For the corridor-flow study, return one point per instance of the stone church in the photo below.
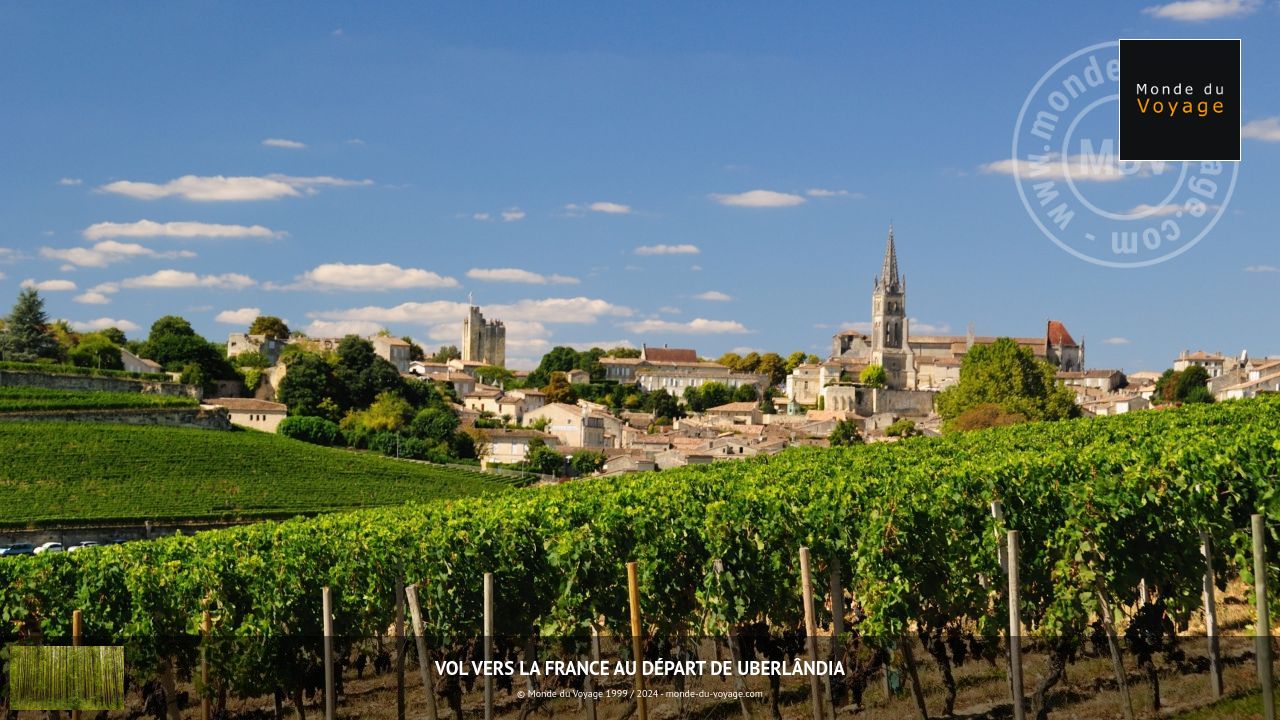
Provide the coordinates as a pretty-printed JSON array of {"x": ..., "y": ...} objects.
[{"x": 913, "y": 362}]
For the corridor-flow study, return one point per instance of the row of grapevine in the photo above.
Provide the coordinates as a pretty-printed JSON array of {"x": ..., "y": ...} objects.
[{"x": 1100, "y": 504}]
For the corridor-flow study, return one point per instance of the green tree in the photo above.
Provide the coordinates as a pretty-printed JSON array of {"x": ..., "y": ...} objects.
[
  {"x": 795, "y": 360},
  {"x": 558, "y": 359},
  {"x": 558, "y": 390},
  {"x": 364, "y": 374},
  {"x": 985, "y": 415},
  {"x": 434, "y": 423},
  {"x": 388, "y": 413},
  {"x": 663, "y": 405},
  {"x": 902, "y": 427},
  {"x": 774, "y": 366},
  {"x": 1010, "y": 377},
  {"x": 115, "y": 335},
  {"x": 269, "y": 325},
  {"x": 709, "y": 395},
  {"x": 873, "y": 376},
  {"x": 27, "y": 335},
  {"x": 1192, "y": 386},
  {"x": 745, "y": 393},
  {"x": 175, "y": 345},
  {"x": 845, "y": 433},
  {"x": 311, "y": 388},
  {"x": 416, "y": 353},
  {"x": 96, "y": 351},
  {"x": 542, "y": 459},
  {"x": 445, "y": 354},
  {"x": 586, "y": 462},
  {"x": 251, "y": 359},
  {"x": 493, "y": 375}
]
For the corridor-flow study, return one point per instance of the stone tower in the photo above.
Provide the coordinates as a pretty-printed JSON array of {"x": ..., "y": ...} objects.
[
  {"x": 483, "y": 340},
  {"x": 889, "y": 347}
]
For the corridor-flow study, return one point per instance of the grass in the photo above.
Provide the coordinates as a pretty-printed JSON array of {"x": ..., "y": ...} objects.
[
  {"x": 26, "y": 399},
  {"x": 64, "y": 474},
  {"x": 55, "y": 369}
]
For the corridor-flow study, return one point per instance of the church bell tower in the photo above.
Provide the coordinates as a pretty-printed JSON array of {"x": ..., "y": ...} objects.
[{"x": 889, "y": 348}]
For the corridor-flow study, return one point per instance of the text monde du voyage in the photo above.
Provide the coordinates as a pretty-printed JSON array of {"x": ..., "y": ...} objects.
[
  {"x": 649, "y": 668},
  {"x": 1181, "y": 99}
]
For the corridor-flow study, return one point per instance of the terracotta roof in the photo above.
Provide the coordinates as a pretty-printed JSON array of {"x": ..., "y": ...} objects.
[
  {"x": 389, "y": 340},
  {"x": 663, "y": 354},
  {"x": 1201, "y": 355},
  {"x": 506, "y": 433},
  {"x": 247, "y": 404},
  {"x": 734, "y": 407}
]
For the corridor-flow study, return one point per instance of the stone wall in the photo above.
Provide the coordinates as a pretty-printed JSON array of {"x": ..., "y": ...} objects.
[
  {"x": 89, "y": 383},
  {"x": 902, "y": 402},
  {"x": 103, "y": 533},
  {"x": 204, "y": 417}
]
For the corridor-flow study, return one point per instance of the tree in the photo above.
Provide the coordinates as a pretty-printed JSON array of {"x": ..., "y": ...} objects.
[
  {"x": 845, "y": 433},
  {"x": 493, "y": 375},
  {"x": 766, "y": 402},
  {"x": 795, "y": 360},
  {"x": 314, "y": 430},
  {"x": 873, "y": 376},
  {"x": 709, "y": 395},
  {"x": 388, "y": 413},
  {"x": 96, "y": 351},
  {"x": 434, "y": 423},
  {"x": 1010, "y": 377},
  {"x": 416, "y": 353},
  {"x": 311, "y": 388},
  {"x": 774, "y": 366},
  {"x": 269, "y": 325},
  {"x": 66, "y": 336},
  {"x": 560, "y": 359},
  {"x": 363, "y": 373},
  {"x": 902, "y": 427},
  {"x": 175, "y": 345},
  {"x": 586, "y": 462},
  {"x": 664, "y": 405},
  {"x": 445, "y": 354},
  {"x": 558, "y": 390},
  {"x": 115, "y": 335},
  {"x": 27, "y": 336},
  {"x": 745, "y": 393},
  {"x": 1193, "y": 385},
  {"x": 542, "y": 459},
  {"x": 986, "y": 415}
]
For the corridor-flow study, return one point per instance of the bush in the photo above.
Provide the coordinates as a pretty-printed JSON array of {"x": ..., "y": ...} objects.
[
  {"x": 315, "y": 430},
  {"x": 902, "y": 428}
]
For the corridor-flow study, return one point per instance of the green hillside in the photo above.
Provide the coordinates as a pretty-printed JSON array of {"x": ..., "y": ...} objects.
[
  {"x": 63, "y": 473},
  {"x": 24, "y": 399}
]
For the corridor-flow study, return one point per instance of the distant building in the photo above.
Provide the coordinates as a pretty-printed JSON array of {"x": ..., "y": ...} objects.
[
  {"x": 133, "y": 363},
  {"x": 510, "y": 447},
  {"x": 269, "y": 347},
  {"x": 483, "y": 341},
  {"x": 573, "y": 425},
  {"x": 257, "y": 414},
  {"x": 393, "y": 350},
  {"x": 674, "y": 370},
  {"x": 1213, "y": 363}
]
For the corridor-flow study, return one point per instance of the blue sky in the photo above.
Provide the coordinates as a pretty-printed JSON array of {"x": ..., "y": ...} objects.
[{"x": 587, "y": 172}]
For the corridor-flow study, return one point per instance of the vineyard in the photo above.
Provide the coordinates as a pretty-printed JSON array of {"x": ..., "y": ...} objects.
[
  {"x": 1102, "y": 506},
  {"x": 76, "y": 370},
  {"x": 77, "y": 473},
  {"x": 26, "y": 399}
]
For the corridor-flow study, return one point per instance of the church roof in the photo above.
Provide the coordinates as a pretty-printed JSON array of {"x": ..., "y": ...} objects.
[
  {"x": 889, "y": 278},
  {"x": 1058, "y": 334}
]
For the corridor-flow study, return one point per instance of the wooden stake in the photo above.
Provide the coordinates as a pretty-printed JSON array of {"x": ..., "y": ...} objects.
[
  {"x": 1116, "y": 663},
  {"x": 206, "y": 629},
  {"x": 739, "y": 684},
  {"x": 424, "y": 655},
  {"x": 909, "y": 659},
  {"x": 488, "y": 645},
  {"x": 637, "y": 640},
  {"x": 77, "y": 638},
  {"x": 591, "y": 679},
  {"x": 811, "y": 632},
  {"x": 400, "y": 646},
  {"x": 330, "y": 700},
  {"x": 835, "y": 595},
  {"x": 1211, "y": 616},
  {"x": 1015, "y": 627},
  {"x": 1264, "y": 618}
]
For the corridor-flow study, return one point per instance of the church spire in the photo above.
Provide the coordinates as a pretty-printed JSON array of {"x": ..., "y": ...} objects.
[{"x": 889, "y": 278}]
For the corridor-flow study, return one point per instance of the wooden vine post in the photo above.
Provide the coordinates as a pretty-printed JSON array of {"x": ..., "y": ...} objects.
[
  {"x": 424, "y": 655},
  {"x": 1263, "y": 630},
  {"x": 488, "y": 646},
  {"x": 1113, "y": 643},
  {"x": 637, "y": 640},
  {"x": 1015, "y": 627},
  {"x": 1211, "y": 616},
  {"x": 400, "y": 647},
  {"x": 77, "y": 639},
  {"x": 811, "y": 633},
  {"x": 330, "y": 699},
  {"x": 835, "y": 594}
]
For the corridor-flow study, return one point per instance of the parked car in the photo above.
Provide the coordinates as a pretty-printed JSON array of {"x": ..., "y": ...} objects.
[
  {"x": 51, "y": 547},
  {"x": 82, "y": 545},
  {"x": 18, "y": 549}
]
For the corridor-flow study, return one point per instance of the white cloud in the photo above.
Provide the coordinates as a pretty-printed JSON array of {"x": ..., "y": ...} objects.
[
  {"x": 341, "y": 328},
  {"x": 575, "y": 310},
  {"x": 516, "y": 275},
  {"x": 103, "y": 323},
  {"x": 1116, "y": 341},
  {"x": 1080, "y": 168},
  {"x": 283, "y": 143},
  {"x": 825, "y": 193},
  {"x": 1197, "y": 10},
  {"x": 713, "y": 296},
  {"x": 179, "y": 279},
  {"x": 1162, "y": 210},
  {"x": 92, "y": 297},
  {"x": 243, "y": 316},
  {"x": 610, "y": 207},
  {"x": 697, "y": 326},
  {"x": 2, "y": 276},
  {"x": 512, "y": 214},
  {"x": 49, "y": 285},
  {"x": 107, "y": 252},
  {"x": 667, "y": 250},
  {"x": 219, "y": 188},
  {"x": 1267, "y": 129},
  {"x": 668, "y": 309},
  {"x": 603, "y": 344},
  {"x": 481, "y": 216},
  {"x": 384, "y": 276},
  {"x": 758, "y": 199},
  {"x": 1262, "y": 269},
  {"x": 9, "y": 255},
  {"x": 70, "y": 181},
  {"x": 150, "y": 228},
  {"x": 354, "y": 141}
]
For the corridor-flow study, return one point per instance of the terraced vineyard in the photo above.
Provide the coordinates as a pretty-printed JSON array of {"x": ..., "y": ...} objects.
[
  {"x": 26, "y": 399},
  {"x": 72, "y": 473},
  {"x": 1102, "y": 505}
]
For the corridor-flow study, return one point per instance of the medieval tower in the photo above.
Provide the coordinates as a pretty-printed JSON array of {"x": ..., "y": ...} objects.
[{"x": 483, "y": 340}]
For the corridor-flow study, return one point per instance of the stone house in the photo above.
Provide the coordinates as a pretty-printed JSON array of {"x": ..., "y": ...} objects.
[
  {"x": 257, "y": 414},
  {"x": 510, "y": 447},
  {"x": 393, "y": 350},
  {"x": 133, "y": 363}
]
